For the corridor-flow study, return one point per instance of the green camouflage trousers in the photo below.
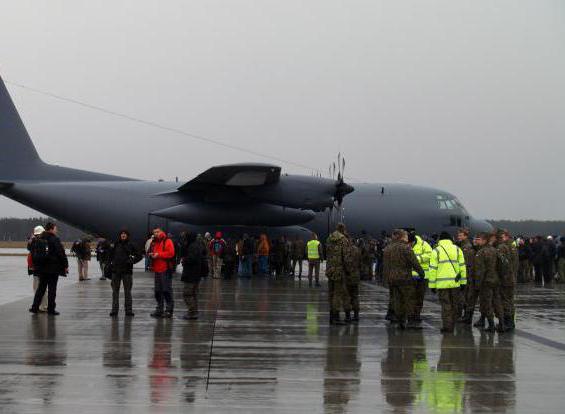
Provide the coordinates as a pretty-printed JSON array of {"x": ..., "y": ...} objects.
[
  {"x": 417, "y": 300},
  {"x": 490, "y": 302},
  {"x": 401, "y": 297},
  {"x": 561, "y": 269},
  {"x": 353, "y": 293},
  {"x": 338, "y": 296},
  {"x": 449, "y": 300},
  {"x": 472, "y": 293},
  {"x": 507, "y": 299}
]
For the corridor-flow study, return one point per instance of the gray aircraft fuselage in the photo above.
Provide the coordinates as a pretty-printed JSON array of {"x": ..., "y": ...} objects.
[{"x": 246, "y": 198}]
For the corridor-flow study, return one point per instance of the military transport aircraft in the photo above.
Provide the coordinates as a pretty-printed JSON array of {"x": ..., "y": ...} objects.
[{"x": 239, "y": 198}]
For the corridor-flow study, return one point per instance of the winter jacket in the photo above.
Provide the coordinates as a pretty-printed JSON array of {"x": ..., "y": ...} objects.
[
  {"x": 192, "y": 260},
  {"x": 164, "y": 250},
  {"x": 122, "y": 256},
  {"x": 56, "y": 263}
]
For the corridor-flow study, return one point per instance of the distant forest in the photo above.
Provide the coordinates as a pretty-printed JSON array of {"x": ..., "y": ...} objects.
[
  {"x": 15, "y": 229},
  {"x": 531, "y": 227}
]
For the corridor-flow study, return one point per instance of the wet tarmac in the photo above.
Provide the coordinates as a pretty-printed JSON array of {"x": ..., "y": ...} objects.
[{"x": 265, "y": 346}]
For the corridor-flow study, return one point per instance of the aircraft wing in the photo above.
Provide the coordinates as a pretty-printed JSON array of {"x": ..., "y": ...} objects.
[{"x": 235, "y": 175}]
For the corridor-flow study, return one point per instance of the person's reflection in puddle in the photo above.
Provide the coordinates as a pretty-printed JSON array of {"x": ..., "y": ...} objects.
[
  {"x": 46, "y": 349},
  {"x": 404, "y": 368},
  {"x": 495, "y": 364},
  {"x": 117, "y": 358},
  {"x": 162, "y": 383},
  {"x": 341, "y": 376}
]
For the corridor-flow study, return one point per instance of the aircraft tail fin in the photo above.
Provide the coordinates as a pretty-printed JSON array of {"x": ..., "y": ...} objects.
[{"x": 17, "y": 152}]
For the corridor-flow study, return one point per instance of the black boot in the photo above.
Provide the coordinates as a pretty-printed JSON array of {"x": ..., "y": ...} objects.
[
  {"x": 348, "y": 317},
  {"x": 501, "y": 326},
  {"x": 336, "y": 320},
  {"x": 480, "y": 323},
  {"x": 491, "y": 327},
  {"x": 356, "y": 316},
  {"x": 509, "y": 323},
  {"x": 469, "y": 319}
]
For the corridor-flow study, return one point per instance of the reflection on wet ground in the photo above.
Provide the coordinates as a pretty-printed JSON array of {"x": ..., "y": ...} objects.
[{"x": 265, "y": 346}]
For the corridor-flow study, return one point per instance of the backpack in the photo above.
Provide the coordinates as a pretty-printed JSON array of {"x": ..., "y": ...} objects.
[
  {"x": 218, "y": 247},
  {"x": 39, "y": 252}
]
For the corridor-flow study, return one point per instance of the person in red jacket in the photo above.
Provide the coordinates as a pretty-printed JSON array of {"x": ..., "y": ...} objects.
[{"x": 162, "y": 253}]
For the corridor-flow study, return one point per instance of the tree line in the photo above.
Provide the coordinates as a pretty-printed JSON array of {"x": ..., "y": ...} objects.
[
  {"x": 531, "y": 227},
  {"x": 18, "y": 229}
]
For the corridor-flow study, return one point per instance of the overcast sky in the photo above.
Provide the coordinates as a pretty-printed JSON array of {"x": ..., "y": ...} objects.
[{"x": 465, "y": 96}]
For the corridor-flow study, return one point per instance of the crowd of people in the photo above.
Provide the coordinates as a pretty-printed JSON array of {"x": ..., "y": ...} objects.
[{"x": 463, "y": 273}]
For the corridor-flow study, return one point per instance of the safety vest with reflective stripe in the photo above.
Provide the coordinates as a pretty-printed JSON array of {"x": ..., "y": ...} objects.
[
  {"x": 446, "y": 262},
  {"x": 423, "y": 252},
  {"x": 313, "y": 249}
]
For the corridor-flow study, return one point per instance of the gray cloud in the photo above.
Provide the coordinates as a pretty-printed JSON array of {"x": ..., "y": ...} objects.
[{"x": 468, "y": 97}]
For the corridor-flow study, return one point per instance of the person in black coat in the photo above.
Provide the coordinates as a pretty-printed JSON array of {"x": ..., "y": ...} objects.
[
  {"x": 122, "y": 256},
  {"x": 194, "y": 254},
  {"x": 53, "y": 264}
]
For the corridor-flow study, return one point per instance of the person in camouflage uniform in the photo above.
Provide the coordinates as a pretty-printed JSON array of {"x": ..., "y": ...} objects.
[
  {"x": 338, "y": 264},
  {"x": 471, "y": 293},
  {"x": 352, "y": 280},
  {"x": 507, "y": 249},
  {"x": 298, "y": 249},
  {"x": 366, "y": 261},
  {"x": 398, "y": 262},
  {"x": 423, "y": 252},
  {"x": 486, "y": 275}
]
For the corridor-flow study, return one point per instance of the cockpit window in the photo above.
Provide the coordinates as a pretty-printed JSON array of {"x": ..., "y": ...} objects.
[{"x": 445, "y": 202}]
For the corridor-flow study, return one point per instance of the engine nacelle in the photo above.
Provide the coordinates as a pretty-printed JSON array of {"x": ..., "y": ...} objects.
[{"x": 258, "y": 214}]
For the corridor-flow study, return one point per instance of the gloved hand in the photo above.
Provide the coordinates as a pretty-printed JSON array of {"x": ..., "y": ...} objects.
[
  {"x": 422, "y": 275},
  {"x": 433, "y": 290},
  {"x": 462, "y": 288}
]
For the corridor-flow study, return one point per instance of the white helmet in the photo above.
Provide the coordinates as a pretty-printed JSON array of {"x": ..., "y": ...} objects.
[{"x": 38, "y": 230}]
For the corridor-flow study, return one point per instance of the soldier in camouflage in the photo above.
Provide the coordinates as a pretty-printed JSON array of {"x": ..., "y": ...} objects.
[
  {"x": 471, "y": 293},
  {"x": 486, "y": 274},
  {"x": 338, "y": 263},
  {"x": 352, "y": 280},
  {"x": 507, "y": 249},
  {"x": 398, "y": 262}
]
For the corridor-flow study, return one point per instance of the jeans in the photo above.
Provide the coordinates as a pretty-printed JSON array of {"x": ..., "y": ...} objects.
[
  {"x": 264, "y": 265},
  {"x": 164, "y": 291}
]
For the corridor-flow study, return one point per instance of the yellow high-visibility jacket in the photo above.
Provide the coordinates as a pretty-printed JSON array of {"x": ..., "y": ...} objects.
[
  {"x": 446, "y": 262},
  {"x": 423, "y": 252}
]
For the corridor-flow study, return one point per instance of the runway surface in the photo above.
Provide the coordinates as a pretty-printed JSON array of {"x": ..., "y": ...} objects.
[{"x": 265, "y": 346}]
